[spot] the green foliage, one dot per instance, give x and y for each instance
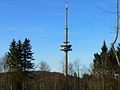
(20, 56)
(27, 56)
(19, 61)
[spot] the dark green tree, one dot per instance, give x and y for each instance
(19, 62)
(27, 56)
(100, 60)
(12, 57)
(105, 67)
(105, 63)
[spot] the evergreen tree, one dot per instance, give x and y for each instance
(19, 61)
(118, 54)
(13, 63)
(27, 56)
(20, 56)
(100, 60)
(12, 57)
(112, 63)
(105, 63)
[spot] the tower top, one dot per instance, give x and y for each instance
(66, 4)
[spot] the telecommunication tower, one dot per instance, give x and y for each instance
(66, 46)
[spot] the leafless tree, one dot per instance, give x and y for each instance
(3, 66)
(117, 31)
(43, 66)
(71, 69)
(61, 65)
(77, 66)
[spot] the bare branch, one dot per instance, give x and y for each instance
(117, 30)
(106, 11)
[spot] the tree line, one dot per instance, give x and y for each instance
(18, 71)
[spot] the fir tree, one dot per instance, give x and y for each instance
(27, 56)
(101, 61)
(105, 63)
(19, 61)
(12, 57)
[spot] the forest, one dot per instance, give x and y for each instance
(18, 73)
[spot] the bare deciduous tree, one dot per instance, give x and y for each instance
(117, 30)
(61, 67)
(3, 65)
(43, 66)
(1, 68)
(77, 66)
(71, 69)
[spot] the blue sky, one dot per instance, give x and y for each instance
(43, 22)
